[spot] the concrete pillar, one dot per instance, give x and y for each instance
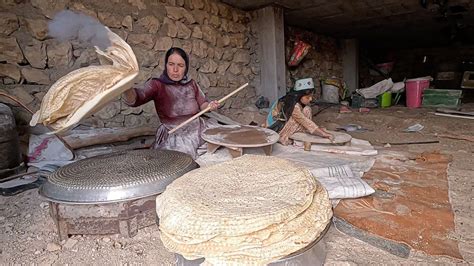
(350, 64)
(271, 34)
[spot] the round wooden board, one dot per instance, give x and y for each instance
(339, 138)
(240, 136)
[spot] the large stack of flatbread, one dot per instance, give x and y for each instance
(85, 91)
(252, 210)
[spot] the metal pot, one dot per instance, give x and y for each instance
(10, 156)
(313, 254)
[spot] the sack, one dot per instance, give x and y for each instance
(299, 52)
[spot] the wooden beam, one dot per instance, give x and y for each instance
(105, 136)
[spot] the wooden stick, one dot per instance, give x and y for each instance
(207, 109)
(17, 176)
(457, 116)
(458, 137)
(17, 101)
(31, 112)
(453, 112)
(413, 142)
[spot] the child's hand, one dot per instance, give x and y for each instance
(329, 136)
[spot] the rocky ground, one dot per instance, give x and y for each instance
(28, 234)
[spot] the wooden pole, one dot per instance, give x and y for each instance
(31, 112)
(207, 109)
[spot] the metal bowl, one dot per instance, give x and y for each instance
(313, 254)
(116, 176)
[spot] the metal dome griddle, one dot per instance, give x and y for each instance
(114, 177)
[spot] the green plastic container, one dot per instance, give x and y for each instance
(442, 98)
(386, 99)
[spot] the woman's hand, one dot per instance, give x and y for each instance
(213, 105)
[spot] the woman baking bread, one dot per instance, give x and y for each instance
(176, 99)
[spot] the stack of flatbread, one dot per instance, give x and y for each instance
(85, 91)
(251, 210)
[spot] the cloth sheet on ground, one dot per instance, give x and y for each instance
(338, 168)
(411, 206)
(339, 172)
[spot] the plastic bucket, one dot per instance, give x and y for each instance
(330, 93)
(386, 99)
(414, 89)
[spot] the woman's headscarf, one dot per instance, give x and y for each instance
(164, 76)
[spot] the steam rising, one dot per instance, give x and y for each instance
(68, 25)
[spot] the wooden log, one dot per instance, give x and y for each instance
(84, 138)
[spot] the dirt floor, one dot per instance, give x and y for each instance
(28, 234)
(387, 125)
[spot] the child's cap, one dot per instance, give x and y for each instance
(304, 84)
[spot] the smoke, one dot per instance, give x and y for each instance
(68, 25)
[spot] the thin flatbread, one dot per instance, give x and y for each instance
(251, 210)
(85, 91)
(240, 136)
(339, 138)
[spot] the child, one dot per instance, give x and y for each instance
(292, 113)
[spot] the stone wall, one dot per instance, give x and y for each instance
(217, 37)
(324, 59)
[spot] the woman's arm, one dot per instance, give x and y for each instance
(136, 97)
(130, 96)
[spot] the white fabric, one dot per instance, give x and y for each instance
(339, 173)
(376, 89)
(47, 147)
(356, 147)
(341, 183)
(398, 87)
